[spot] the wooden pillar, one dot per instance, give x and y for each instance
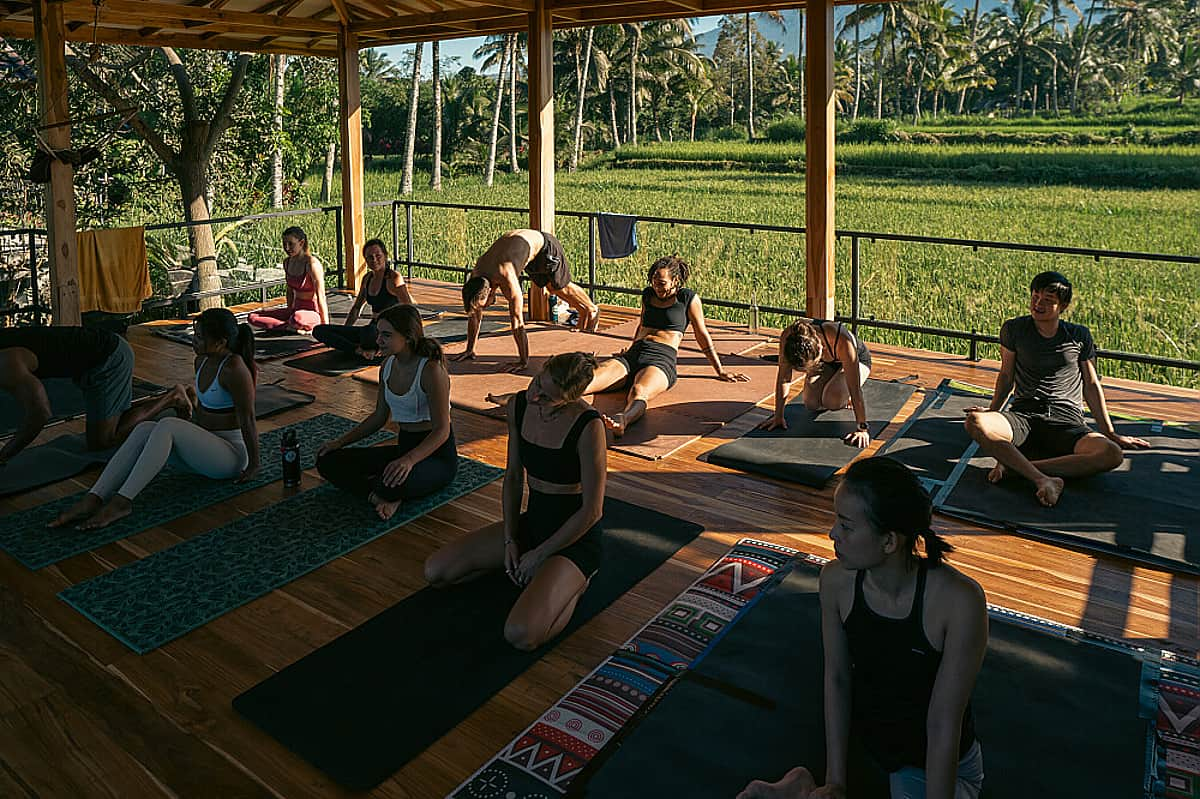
(820, 242)
(350, 118)
(60, 191)
(541, 137)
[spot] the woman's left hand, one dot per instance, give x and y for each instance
(528, 565)
(248, 473)
(397, 471)
(859, 438)
(732, 377)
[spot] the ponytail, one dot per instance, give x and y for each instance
(218, 324)
(896, 502)
(245, 348)
(406, 321)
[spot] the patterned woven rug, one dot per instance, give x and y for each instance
(169, 496)
(1171, 700)
(165, 595)
(544, 759)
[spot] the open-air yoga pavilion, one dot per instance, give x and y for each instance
(246, 631)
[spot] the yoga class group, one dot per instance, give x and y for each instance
(903, 632)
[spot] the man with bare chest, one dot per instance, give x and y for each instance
(540, 255)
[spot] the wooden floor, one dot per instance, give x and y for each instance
(81, 716)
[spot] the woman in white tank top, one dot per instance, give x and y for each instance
(414, 393)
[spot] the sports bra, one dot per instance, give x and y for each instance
(559, 466)
(216, 397)
(411, 406)
(864, 354)
(383, 299)
(673, 317)
(302, 282)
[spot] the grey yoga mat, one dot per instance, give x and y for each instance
(811, 449)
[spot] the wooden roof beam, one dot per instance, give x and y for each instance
(163, 15)
(128, 36)
(441, 18)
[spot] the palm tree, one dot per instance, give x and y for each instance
(514, 133)
(278, 68)
(435, 177)
(374, 65)
(635, 45)
(1022, 30)
(504, 57)
(1183, 69)
(410, 145)
(581, 74)
(1144, 29)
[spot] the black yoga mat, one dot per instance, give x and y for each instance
(933, 440)
(811, 449)
(268, 345)
(450, 329)
(66, 402)
(1055, 717)
(330, 363)
(365, 704)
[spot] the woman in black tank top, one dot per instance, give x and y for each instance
(555, 443)
(904, 638)
(381, 289)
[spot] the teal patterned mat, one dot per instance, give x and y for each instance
(173, 494)
(161, 597)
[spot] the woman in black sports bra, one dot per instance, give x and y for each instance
(555, 443)
(904, 638)
(647, 368)
(382, 288)
(826, 352)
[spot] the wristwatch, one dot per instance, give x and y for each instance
(864, 426)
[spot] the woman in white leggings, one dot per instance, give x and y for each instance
(219, 441)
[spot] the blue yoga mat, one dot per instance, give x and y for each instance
(161, 597)
(173, 494)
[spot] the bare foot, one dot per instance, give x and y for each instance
(997, 473)
(796, 784)
(117, 508)
(79, 511)
(615, 423)
(500, 399)
(1049, 491)
(384, 508)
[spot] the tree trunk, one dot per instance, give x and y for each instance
(277, 129)
(878, 85)
(435, 179)
(490, 174)
(857, 68)
(633, 104)
(749, 81)
(1020, 77)
(696, 110)
(587, 58)
(327, 177)
(410, 145)
(1054, 82)
(612, 116)
(514, 133)
(1087, 32)
(193, 183)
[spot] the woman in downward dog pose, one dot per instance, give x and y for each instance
(219, 441)
(414, 389)
(556, 444)
(904, 637)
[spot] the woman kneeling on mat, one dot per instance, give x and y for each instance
(414, 388)
(382, 288)
(827, 353)
(219, 441)
(648, 367)
(904, 639)
(306, 307)
(556, 441)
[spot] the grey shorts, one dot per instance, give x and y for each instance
(108, 387)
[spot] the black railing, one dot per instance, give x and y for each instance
(855, 318)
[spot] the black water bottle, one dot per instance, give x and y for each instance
(289, 454)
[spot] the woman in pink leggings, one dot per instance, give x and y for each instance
(306, 307)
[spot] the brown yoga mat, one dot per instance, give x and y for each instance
(697, 405)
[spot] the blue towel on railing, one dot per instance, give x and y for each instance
(618, 235)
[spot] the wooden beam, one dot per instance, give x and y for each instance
(163, 15)
(324, 48)
(465, 15)
(541, 137)
(343, 15)
(60, 191)
(350, 118)
(819, 240)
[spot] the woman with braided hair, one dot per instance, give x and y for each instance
(827, 353)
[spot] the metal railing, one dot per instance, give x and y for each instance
(855, 318)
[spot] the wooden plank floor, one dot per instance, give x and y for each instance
(81, 716)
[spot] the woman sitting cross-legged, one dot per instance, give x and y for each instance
(219, 441)
(305, 277)
(414, 389)
(904, 638)
(382, 288)
(556, 443)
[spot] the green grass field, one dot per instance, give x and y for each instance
(1149, 307)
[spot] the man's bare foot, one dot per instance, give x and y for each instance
(500, 399)
(384, 508)
(614, 422)
(79, 511)
(997, 473)
(116, 509)
(796, 784)
(1049, 491)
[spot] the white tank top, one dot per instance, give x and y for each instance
(411, 406)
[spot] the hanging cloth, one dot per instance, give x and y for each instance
(618, 235)
(114, 275)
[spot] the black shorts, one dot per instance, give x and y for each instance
(549, 267)
(1046, 435)
(545, 514)
(645, 353)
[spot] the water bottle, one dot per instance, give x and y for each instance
(289, 454)
(552, 308)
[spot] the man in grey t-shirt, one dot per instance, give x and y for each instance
(1043, 435)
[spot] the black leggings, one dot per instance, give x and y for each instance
(346, 338)
(359, 470)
